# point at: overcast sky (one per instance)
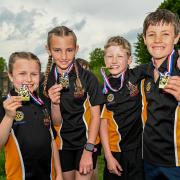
(24, 24)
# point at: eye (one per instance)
(56, 50)
(70, 50)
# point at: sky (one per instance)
(24, 24)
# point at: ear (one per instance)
(129, 60)
(176, 39)
(47, 49)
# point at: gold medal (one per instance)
(110, 97)
(163, 81)
(24, 93)
(19, 116)
(64, 81)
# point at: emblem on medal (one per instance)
(110, 97)
(24, 93)
(64, 81)
(163, 80)
(19, 116)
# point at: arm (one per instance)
(54, 94)
(86, 163)
(10, 105)
(57, 161)
(112, 164)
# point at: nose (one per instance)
(29, 78)
(158, 38)
(64, 55)
(114, 59)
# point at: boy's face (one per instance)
(63, 51)
(160, 40)
(25, 72)
(116, 60)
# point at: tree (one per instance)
(2, 64)
(96, 62)
(141, 52)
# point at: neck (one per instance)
(158, 62)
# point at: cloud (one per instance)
(17, 25)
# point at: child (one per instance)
(25, 129)
(161, 138)
(72, 90)
(121, 125)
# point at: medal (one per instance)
(64, 81)
(163, 81)
(24, 93)
(164, 77)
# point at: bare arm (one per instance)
(86, 163)
(10, 105)
(57, 161)
(54, 94)
(112, 164)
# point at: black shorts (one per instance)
(70, 159)
(131, 163)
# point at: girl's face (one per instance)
(25, 72)
(116, 60)
(63, 51)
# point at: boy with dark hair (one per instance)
(161, 137)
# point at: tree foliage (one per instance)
(141, 52)
(96, 62)
(2, 64)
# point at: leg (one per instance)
(79, 176)
(69, 175)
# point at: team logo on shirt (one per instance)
(19, 116)
(133, 89)
(148, 86)
(110, 97)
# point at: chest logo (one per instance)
(148, 86)
(133, 89)
(19, 116)
(110, 97)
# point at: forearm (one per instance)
(5, 128)
(56, 114)
(94, 124)
(105, 138)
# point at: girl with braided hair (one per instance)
(72, 90)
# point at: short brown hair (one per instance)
(162, 16)
(118, 41)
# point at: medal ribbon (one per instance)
(37, 100)
(169, 65)
(107, 83)
(66, 73)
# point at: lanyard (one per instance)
(107, 83)
(169, 65)
(65, 74)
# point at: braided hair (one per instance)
(62, 31)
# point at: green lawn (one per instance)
(2, 173)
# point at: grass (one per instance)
(2, 171)
(100, 166)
